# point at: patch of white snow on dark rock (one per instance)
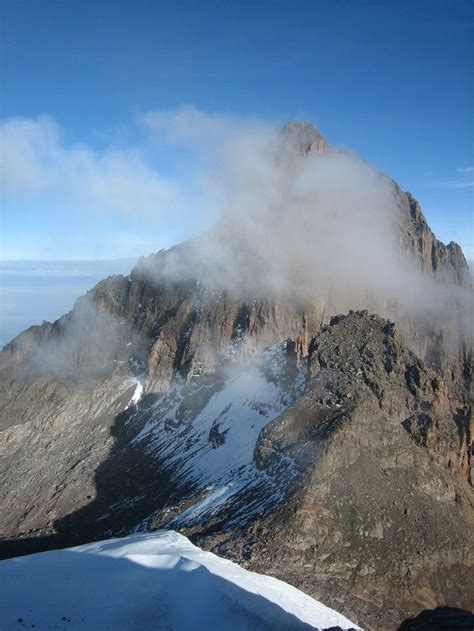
(212, 448)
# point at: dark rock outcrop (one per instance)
(440, 619)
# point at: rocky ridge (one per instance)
(385, 509)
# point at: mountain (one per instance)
(292, 390)
(143, 580)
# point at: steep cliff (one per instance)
(434, 258)
(383, 510)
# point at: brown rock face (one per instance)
(381, 525)
(435, 258)
(305, 138)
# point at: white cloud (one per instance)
(333, 201)
(29, 151)
(191, 127)
(455, 183)
(36, 163)
(323, 225)
(466, 179)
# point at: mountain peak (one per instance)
(305, 137)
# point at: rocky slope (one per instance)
(384, 509)
(332, 452)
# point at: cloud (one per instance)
(284, 221)
(465, 181)
(325, 226)
(193, 128)
(34, 291)
(322, 226)
(287, 220)
(37, 164)
(455, 184)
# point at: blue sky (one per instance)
(88, 179)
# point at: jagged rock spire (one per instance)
(305, 137)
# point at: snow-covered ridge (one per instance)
(150, 582)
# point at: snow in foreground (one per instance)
(154, 581)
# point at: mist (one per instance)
(34, 291)
(302, 220)
(292, 218)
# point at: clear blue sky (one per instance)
(391, 80)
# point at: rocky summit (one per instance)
(320, 436)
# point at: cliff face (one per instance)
(435, 258)
(187, 325)
(384, 511)
(256, 421)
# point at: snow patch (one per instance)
(137, 395)
(211, 447)
(149, 582)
